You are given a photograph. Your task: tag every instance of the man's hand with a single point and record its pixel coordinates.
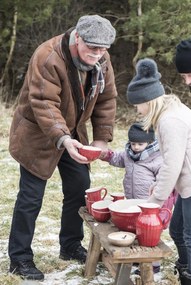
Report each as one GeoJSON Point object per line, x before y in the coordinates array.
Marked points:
{"type": "Point", "coordinates": [72, 146]}
{"type": "Point", "coordinates": [103, 146]}
{"type": "Point", "coordinates": [100, 144]}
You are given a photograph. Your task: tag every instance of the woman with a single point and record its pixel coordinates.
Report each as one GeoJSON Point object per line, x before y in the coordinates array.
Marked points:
{"type": "Point", "coordinates": [171, 120]}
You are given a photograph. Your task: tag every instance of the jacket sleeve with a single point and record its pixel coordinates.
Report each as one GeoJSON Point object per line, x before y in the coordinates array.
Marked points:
{"type": "Point", "coordinates": [103, 115]}
{"type": "Point", "coordinates": [157, 163]}
{"type": "Point", "coordinates": [44, 93]}
{"type": "Point", "coordinates": [117, 159]}
{"type": "Point", "coordinates": [173, 141]}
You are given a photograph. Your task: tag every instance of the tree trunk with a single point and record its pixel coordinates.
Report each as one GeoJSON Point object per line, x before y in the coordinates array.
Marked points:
{"type": "Point", "coordinates": [4, 81]}
{"type": "Point", "coordinates": [140, 35]}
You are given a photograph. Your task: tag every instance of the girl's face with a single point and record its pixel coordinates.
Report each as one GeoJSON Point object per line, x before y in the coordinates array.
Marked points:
{"type": "Point", "coordinates": [142, 109]}
{"type": "Point", "coordinates": [138, 146]}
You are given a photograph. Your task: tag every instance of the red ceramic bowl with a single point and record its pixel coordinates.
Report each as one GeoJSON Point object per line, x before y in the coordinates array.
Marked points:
{"type": "Point", "coordinates": [89, 205]}
{"type": "Point", "coordinates": [101, 216]}
{"type": "Point", "coordinates": [124, 214]}
{"type": "Point", "coordinates": [125, 221]}
{"type": "Point", "coordinates": [117, 196]}
{"type": "Point", "coordinates": [90, 152]}
{"type": "Point", "coordinates": [102, 205]}
{"type": "Point", "coordinates": [86, 200]}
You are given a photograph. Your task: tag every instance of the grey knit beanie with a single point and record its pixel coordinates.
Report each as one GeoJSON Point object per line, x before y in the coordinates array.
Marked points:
{"type": "Point", "coordinates": [96, 31]}
{"type": "Point", "coordinates": [183, 56]}
{"type": "Point", "coordinates": [137, 134]}
{"type": "Point", "coordinates": [145, 86]}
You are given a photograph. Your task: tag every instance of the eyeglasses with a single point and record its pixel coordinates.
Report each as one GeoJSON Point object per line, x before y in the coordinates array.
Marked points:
{"type": "Point", "coordinates": [94, 48]}
{"type": "Point", "coordinates": [101, 49]}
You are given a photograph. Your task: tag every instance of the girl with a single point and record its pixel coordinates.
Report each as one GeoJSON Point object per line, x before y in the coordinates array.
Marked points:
{"type": "Point", "coordinates": [171, 120]}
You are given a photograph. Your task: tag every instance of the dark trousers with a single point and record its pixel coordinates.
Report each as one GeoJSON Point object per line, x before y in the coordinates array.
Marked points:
{"type": "Point", "coordinates": [75, 180]}
{"type": "Point", "coordinates": [180, 230]}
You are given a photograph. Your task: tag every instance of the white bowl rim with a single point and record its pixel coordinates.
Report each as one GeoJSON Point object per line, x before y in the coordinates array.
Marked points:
{"type": "Point", "coordinates": [121, 194]}
{"type": "Point", "coordinates": [102, 204]}
{"type": "Point", "coordinates": [123, 206]}
{"type": "Point", "coordinates": [91, 148]}
{"type": "Point", "coordinates": [121, 238]}
{"type": "Point", "coordinates": [121, 233]}
{"type": "Point", "coordinates": [149, 205]}
{"type": "Point", "coordinates": [94, 189]}
{"type": "Point", "coordinates": [100, 212]}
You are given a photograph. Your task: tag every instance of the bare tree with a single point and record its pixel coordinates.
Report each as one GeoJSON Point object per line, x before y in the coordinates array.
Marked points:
{"type": "Point", "coordinates": [10, 55]}
{"type": "Point", "coordinates": [140, 35]}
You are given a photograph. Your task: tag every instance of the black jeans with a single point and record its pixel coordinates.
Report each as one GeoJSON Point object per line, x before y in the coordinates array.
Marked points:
{"type": "Point", "coordinates": [180, 230]}
{"type": "Point", "coordinates": [75, 180]}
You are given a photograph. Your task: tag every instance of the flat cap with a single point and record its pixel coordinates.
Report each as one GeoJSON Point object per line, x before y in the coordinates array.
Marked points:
{"type": "Point", "coordinates": [96, 31]}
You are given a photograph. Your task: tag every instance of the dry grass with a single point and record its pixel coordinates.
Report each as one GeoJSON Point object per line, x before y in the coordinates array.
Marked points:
{"type": "Point", "coordinates": [45, 243]}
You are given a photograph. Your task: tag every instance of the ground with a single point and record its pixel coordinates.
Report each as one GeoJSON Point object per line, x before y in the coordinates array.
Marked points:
{"type": "Point", "coordinates": [45, 243]}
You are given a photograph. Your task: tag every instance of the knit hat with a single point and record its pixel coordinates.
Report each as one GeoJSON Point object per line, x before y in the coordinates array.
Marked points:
{"type": "Point", "coordinates": [183, 56]}
{"type": "Point", "coordinates": [137, 134]}
{"type": "Point", "coordinates": [96, 31]}
{"type": "Point", "coordinates": [145, 86]}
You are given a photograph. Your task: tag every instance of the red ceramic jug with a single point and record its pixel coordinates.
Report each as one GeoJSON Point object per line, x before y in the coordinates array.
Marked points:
{"type": "Point", "coordinates": [149, 224]}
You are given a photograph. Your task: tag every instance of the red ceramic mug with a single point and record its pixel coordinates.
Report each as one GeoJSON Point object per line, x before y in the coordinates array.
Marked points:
{"type": "Point", "coordinates": [117, 196]}
{"type": "Point", "coordinates": [96, 194]}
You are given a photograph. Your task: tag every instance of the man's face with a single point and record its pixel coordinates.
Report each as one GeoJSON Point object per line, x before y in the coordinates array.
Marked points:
{"type": "Point", "coordinates": [88, 54]}
{"type": "Point", "coordinates": [187, 78]}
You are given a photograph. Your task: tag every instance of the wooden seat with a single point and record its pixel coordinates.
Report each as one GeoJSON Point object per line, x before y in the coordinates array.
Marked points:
{"type": "Point", "coordinates": [119, 260]}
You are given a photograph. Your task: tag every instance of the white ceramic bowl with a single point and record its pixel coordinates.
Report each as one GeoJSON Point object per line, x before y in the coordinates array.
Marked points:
{"type": "Point", "coordinates": [121, 238]}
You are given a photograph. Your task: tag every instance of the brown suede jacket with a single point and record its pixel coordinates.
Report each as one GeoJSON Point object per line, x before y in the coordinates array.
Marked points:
{"type": "Point", "coordinates": [50, 104]}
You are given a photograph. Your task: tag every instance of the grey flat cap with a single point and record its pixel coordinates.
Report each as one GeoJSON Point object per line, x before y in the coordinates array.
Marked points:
{"type": "Point", "coordinates": [96, 31]}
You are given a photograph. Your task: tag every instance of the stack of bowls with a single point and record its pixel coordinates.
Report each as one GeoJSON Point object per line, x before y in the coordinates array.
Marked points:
{"type": "Point", "coordinates": [93, 195]}
{"type": "Point", "coordinates": [100, 210]}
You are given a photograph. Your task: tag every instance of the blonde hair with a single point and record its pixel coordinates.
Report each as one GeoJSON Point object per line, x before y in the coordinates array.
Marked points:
{"type": "Point", "coordinates": [156, 108]}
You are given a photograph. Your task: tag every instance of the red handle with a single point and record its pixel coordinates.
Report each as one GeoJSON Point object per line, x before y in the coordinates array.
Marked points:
{"type": "Point", "coordinates": [169, 215]}
{"type": "Point", "coordinates": [105, 190]}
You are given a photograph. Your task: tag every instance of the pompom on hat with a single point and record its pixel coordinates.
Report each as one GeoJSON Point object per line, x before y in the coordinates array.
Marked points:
{"type": "Point", "coordinates": [96, 31]}
{"type": "Point", "coordinates": [183, 56]}
{"type": "Point", "coordinates": [137, 134]}
{"type": "Point", "coordinates": [146, 85]}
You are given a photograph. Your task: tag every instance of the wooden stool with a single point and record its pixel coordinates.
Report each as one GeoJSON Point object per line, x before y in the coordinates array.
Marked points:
{"type": "Point", "coordinates": [119, 260]}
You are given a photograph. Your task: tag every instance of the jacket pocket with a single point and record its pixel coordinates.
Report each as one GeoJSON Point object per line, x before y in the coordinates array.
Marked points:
{"type": "Point", "coordinates": [33, 149]}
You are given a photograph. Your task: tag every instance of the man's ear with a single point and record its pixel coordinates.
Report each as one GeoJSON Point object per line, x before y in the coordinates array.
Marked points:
{"type": "Point", "coordinates": [76, 38]}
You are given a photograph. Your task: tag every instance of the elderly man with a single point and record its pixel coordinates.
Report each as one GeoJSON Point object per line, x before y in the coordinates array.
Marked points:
{"type": "Point", "coordinates": [69, 80]}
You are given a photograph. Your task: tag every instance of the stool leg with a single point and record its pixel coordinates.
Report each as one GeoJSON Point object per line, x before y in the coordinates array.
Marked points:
{"type": "Point", "coordinates": [92, 257]}
{"type": "Point", "coordinates": [123, 274]}
{"type": "Point", "coordinates": [147, 275]}
{"type": "Point", "coordinates": [138, 281]}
